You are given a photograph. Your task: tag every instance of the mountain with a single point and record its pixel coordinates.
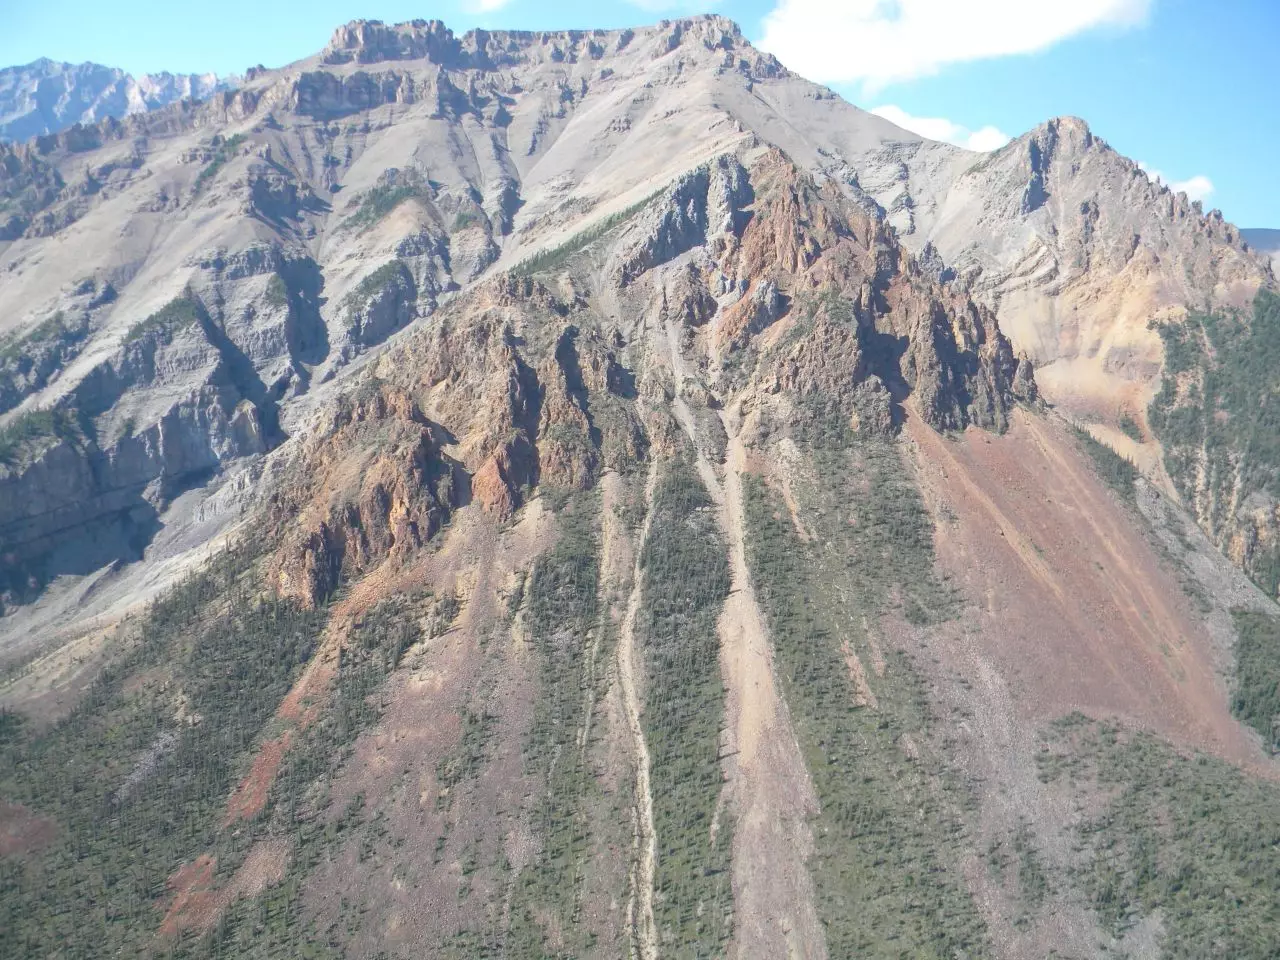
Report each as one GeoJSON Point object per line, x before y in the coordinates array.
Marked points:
{"type": "Point", "coordinates": [597, 493]}
{"type": "Point", "coordinates": [46, 97]}
{"type": "Point", "coordinates": [1265, 241]}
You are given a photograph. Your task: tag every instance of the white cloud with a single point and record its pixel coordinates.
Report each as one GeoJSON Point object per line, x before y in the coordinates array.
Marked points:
{"type": "Point", "coordinates": [487, 6]}
{"type": "Point", "coordinates": [1198, 187]}
{"type": "Point", "coordinates": [985, 139]}
{"type": "Point", "coordinates": [878, 42]}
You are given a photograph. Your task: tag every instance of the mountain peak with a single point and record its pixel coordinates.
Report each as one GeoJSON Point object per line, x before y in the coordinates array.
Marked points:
{"type": "Point", "coordinates": [373, 41]}
{"type": "Point", "coordinates": [48, 96]}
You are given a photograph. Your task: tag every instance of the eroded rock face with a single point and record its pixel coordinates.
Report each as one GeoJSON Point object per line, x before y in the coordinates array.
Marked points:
{"type": "Point", "coordinates": [513, 387]}
{"type": "Point", "coordinates": [323, 95]}
{"type": "Point", "coordinates": [371, 41]}
{"type": "Point", "coordinates": [336, 522]}
{"type": "Point", "coordinates": [748, 207]}
{"type": "Point", "coordinates": [169, 407]}
{"type": "Point", "coordinates": [859, 309]}
{"type": "Point", "coordinates": [1079, 252]}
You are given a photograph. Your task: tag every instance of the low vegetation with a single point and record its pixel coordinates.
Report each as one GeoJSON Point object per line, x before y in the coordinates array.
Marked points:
{"type": "Point", "coordinates": [1218, 414]}
{"type": "Point", "coordinates": [562, 606]}
{"type": "Point", "coordinates": [223, 151]}
{"type": "Point", "coordinates": [391, 272]}
{"type": "Point", "coordinates": [547, 260]}
{"type": "Point", "coordinates": [30, 359]}
{"type": "Point", "coordinates": [1130, 428]}
{"type": "Point", "coordinates": [137, 777]}
{"type": "Point", "coordinates": [1188, 841]}
{"type": "Point", "coordinates": [887, 841]}
{"type": "Point", "coordinates": [177, 315]}
{"type": "Point", "coordinates": [57, 329]}
{"type": "Point", "coordinates": [376, 203]}
{"type": "Point", "coordinates": [299, 810]}
{"type": "Point", "coordinates": [1256, 699]}
{"type": "Point", "coordinates": [28, 433]}
{"type": "Point", "coordinates": [1117, 471]}
{"type": "Point", "coordinates": [686, 581]}
{"type": "Point", "coordinates": [277, 293]}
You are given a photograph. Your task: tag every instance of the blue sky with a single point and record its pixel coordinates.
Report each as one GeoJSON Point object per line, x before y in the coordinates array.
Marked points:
{"type": "Point", "coordinates": [1187, 87]}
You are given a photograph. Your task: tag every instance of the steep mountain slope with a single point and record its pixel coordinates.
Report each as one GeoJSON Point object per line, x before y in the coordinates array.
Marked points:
{"type": "Point", "coordinates": [46, 97]}
{"type": "Point", "coordinates": [1081, 254]}
{"type": "Point", "coordinates": [519, 495]}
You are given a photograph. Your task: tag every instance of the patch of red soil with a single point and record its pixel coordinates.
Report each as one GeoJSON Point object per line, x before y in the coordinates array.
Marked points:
{"type": "Point", "coordinates": [1075, 610]}
{"type": "Point", "coordinates": [305, 699]}
{"type": "Point", "coordinates": [198, 901]}
{"type": "Point", "coordinates": [23, 831]}
{"type": "Point", "coordinates": [195, 902]}
{"type": "Point", "coordinates": [250, 795]}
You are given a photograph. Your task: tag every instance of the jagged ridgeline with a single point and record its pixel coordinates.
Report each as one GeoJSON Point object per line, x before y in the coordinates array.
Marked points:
{"type": "Point", "coordinates": [525, 534]}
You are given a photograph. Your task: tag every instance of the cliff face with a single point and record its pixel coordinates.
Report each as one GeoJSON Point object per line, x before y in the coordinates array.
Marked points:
{"type": "Point", "coordinates": [537, 388]}
{"type": "Point", "coordinates": [318, 210]}
{"type": "Point", "coordinates": [1079, 252]}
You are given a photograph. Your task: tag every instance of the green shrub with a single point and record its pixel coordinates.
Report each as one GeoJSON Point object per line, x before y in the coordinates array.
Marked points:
{"type": "Point", "coordinates": [1191, 840]}
{"type": "Point", "coordinates": [135, 782]}
{"type": "Point", "coordinates": [224, 150]}
{"type": "Point", "coordinates": [56, 330]}
{"type": "Point", "coordinates": [29, 432]}
{"type": "Point", "coordinates": [376, 203]}
{"type": "Point", "coordinates": [373, 284]}
{"type": "Point", "coordinates": [277, 294]}
{"type": "Point", "coordinates": [886, 864]}
{"type": "Point", "coordinates": [562, 605]}
{"type": "Point", "coordinates": [1217, 414]}
{"type": "Point", "coordinates": [176, 315]}
{"type": "Point", "coordinates": [686, 581]}
{"type": "Point", "coordinates": [1130, 428]}
{"type": "Point", "coordinates": [1256, 699]}
{"type": "Point", "coordinates": [1118, 472]}
{"type": "Point", "coordinates": [547, 260]}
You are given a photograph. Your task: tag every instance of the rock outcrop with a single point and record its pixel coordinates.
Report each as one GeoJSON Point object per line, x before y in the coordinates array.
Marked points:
{"type": "Point", "coordinates": [321, 209]}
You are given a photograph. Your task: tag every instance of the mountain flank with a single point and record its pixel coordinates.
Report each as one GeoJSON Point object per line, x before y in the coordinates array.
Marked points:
{"type": "Point", "coordinates": [598, 494]}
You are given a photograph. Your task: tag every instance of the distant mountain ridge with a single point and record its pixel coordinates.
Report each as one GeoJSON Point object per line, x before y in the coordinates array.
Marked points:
{"type": "Point", "coordinates": [1263, 240]}
{"type": "Point", "coordinates": [46, 96]}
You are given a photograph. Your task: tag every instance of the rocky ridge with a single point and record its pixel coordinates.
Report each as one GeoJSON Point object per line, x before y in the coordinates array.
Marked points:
{"type": "Point", "coordinates": [45, 97]}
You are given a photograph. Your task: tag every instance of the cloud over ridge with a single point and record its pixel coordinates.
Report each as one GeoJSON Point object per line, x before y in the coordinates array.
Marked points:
{"type": "Point", "coordinates": [984, 140]}
{"type": "Point", "coordinates": [1198, 187]}
{"type": "Point", "coordinates": [879, 42]}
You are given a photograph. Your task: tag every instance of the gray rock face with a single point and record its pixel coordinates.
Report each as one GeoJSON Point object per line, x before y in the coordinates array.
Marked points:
{"type": "Point", "coordinates": [710, 198]}
{"type": "Point", "coordinates": [320, 208]}
{"type": "Point", "coordinates": [168, 407]}
{"type": "Point", "coordinates": [1081, 254]}
{"type": "Point", "coordinates": [45, 96]}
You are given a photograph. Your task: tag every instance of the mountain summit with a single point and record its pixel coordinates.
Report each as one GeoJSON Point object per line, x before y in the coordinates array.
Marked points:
{"type": "Point", "coordinates": [46, 97]}
{"type": "Point", "coordinates": [597, 494]}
